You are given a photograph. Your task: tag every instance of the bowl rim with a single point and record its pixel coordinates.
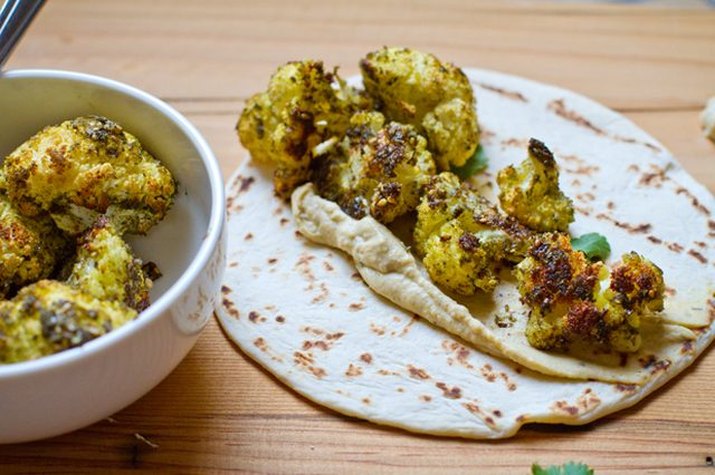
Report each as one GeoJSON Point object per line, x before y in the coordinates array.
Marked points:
{"type": "Point", "coordinates": [201, 258]}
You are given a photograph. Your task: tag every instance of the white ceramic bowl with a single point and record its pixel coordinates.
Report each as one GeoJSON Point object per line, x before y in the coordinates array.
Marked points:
{"type": "Point", "coordinates": [74, 388]}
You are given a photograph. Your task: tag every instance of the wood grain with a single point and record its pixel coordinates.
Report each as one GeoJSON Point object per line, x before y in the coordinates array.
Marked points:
{"type": "Point", "coordinates": [219, 411]}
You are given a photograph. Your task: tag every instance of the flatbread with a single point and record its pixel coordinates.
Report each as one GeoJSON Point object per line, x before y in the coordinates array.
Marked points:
{"type": "Point", "coordinates": [302, 311]}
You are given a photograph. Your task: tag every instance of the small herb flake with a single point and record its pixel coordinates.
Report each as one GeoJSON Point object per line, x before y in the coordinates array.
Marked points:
{"type": "Point", "coordinates": [594, 245]}
{"type": "Point", "coordinates": [474, 164]}
{"type": "Point", "coordinates": [569, 468]}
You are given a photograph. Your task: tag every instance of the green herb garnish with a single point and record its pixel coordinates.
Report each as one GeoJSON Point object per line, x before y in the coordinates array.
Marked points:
{"type": "Point", "coordinates": [569, 468]}
{"type": "Point", "coordinates": [474, 164]}
{"type": "Point", "coordinates": [594, 245]}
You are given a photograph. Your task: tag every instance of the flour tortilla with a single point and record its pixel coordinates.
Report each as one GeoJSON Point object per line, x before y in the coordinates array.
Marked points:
{"type": "Point", "coordinates": [301, 310]}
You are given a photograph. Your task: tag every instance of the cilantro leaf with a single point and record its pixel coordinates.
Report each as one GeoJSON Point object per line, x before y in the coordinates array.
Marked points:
{"type": "Point", "coordinates": [474, 164]}
{"type": "Point", "coordinates": [594, 245]}
{"type": "Point", "coordinates": [569, 468]}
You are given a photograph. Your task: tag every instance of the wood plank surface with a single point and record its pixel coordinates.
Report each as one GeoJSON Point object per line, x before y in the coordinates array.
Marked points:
{"type": "Point", "coordinates": [218, 411]}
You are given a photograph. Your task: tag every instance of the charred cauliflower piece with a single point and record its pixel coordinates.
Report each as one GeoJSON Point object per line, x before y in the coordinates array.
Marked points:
{"type": "Point", "coordinates": [530, 192]}
{"type": "Point", "coordinates": [415, 88]}
{"type": "Point", "coordinates": [378, 169]}
{"type": "Point", "coordinates": [303, 107]}
{"type": "Point", "coordinates": [576, 301]}
{"type": "Point", "coordinates": [49, 316]}
{"type": "Point", "coordinates": [463, 238]}
{"type": "Point", "coordinates": [106, 268]}
{"type": "Point", "coordinates": [85, 167]}
{"type": "Point", "coordinates": [30, 248]}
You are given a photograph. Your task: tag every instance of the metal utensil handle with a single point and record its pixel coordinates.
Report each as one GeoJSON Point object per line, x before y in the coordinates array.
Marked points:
{"type": "Point", "coordinates": [15, 17]}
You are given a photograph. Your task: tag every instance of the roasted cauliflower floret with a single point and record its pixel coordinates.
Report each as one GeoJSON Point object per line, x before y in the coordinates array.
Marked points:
{"type": "Point", "coordinates": [530, 192]}
{"type": "Point", "coordinates": [85, 167]}
{"type": "Point", "coordinates": [49, 316]}
{"type": "Point", "coordinates": [415, 88]}
{"type": "Point", "coordinates": [463, 238]}
{"type": "Point", "coordinates": [106, 268]}
{"type": "Point", "coordinates": [573, 300]}
{"type": "Point", "coordinates": [30, 248]}
{"type": "Point", "coordinates": [303, 107]}
{"type": "Point", "coordinates": [377, 169]}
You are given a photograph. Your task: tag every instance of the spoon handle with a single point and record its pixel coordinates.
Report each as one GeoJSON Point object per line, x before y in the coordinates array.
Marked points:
{"type": "Point", "coordinates": [15, 17]}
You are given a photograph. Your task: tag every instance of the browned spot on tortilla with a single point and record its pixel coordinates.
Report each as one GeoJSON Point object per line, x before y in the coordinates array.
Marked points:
{"type": "Point", "coordinates": [243, 183]}
{"type": "Point", "coordinates": [406, 329]}
{"type": "Point", "coordinates": [312, 330]}
{"type": "Point", "coordinates": [297, 234]}
{"type": "Point", "coordinates": [377, 330]}
{"type": "Point", "coordinates": [586, 170]}
{"type": "Point", "coordinates": [518, 370]}
{"type": "Point", "coordinates": [485, 135]}
{"type": "Point", "coordinates": [700, 244]}
{"type": "Point", "coordinates": [225, 289]}
{"type": "Point", "coordinates": [260, 343]}
{"type": "Point", "coordinates": [559, 108]}
{"type": "Point", "coordinates": [611, 205]}
{"type": "Point", "coordinates": [279, 210]}
{"type": "Point", "coordinates": [253, 316]}
{"type": "Point", "coordinates": [366, 400]}
{"type": "Point", "coordinates": [417, 373]}
{"type": "Point", "coordinates": [488, 373]}
{"type": "Point", "coordinates": [675, 247]}
{"type": "Point", "coordinates": [387, 372]}
{"type": "Point", "coordinates": [711, 309]}
{"type": "Point", "coordinates": [450, 393]}
{"type": "Point", "coordinates": [670, 291]}
{"type": "Point", "coordinates": [305, 361]}
{"type": "Point", "coordinates": [284, 221]}
{"type": "Point", "coordinates": [353, 371]}
{"type": "Point", "coordinates": [520, 418]}
{"type": "Point", "coordinates": [272, 260]}
{"type": "Point", "coordinates": [686, 348]}
{"type": "Point", "coordinates": [649, 145]}
{"type": "Point", "coordinates": [335, 336]}
{"type": "Point", "coordinates": [426, 397]}
{"type": "Point", "coordinates": [588, 196]}
{"type": "Point", "coordinates": [497, 413]}
{"type": "Point", "coordinates": [474, 408]}
{"type": "Point", "coordinates": [575, 183]}
{"type": "Point", "coordinates": [280, 318]}
{"type": "Point", "coordinates": [697, 256]}
{"type": "Point", "coordinates": [583, 211]}
{"type": "Point", "coordinates": [654, 178]}
{"type": "Point", "coordinates": [513, 142]}
{"type": "Point", "coordinates": [515, 95]}
{"type": "Point", "coordinates": [366, 357]}
{"type": "Point", "coordinates": [633, 168]}
{"type": "Point", "coordinates": [230, 307]}
{"type": "Point", "coordinates": [626, 388]}
{"type": "Point", "coordinates": [322, 294]}
{"type": "Point", "coordinates": [660, 366]}
{"type": "Point", "coordinates": [655, 240]}
{"type": "Point", "coordinates": [328, 266]}
{"type": "Point", "coordinates": [631, 228]}
{"type": "Point", "coordinates": [510, 385]}
{"type": "Point", "coordinates": [711, 224]}
{"type": "Point", "coordinates": [355, 306]}
{"type": "Point", "coordinates": [319, 344]}
{"type": "Point", "coordinates": [564, 407]}
{"type": "Point", "coordinates": [400, 389]}
{"type": "Point", "coordinates": [233, 264]}
{"type": "Point", "coordinates": [588, 401]}
{"type": "Point", "coordinates": [693, 200]}
{"type": "Point", "coordinates": [303, 266]}
{"type": "Point", "coordinates": [355, 276]}
{"type": "Point", "coordinates": [248, 236]}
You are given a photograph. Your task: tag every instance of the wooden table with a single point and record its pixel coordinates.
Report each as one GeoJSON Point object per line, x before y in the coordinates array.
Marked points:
{"type": "Point", "coordinates": [219, 411]}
